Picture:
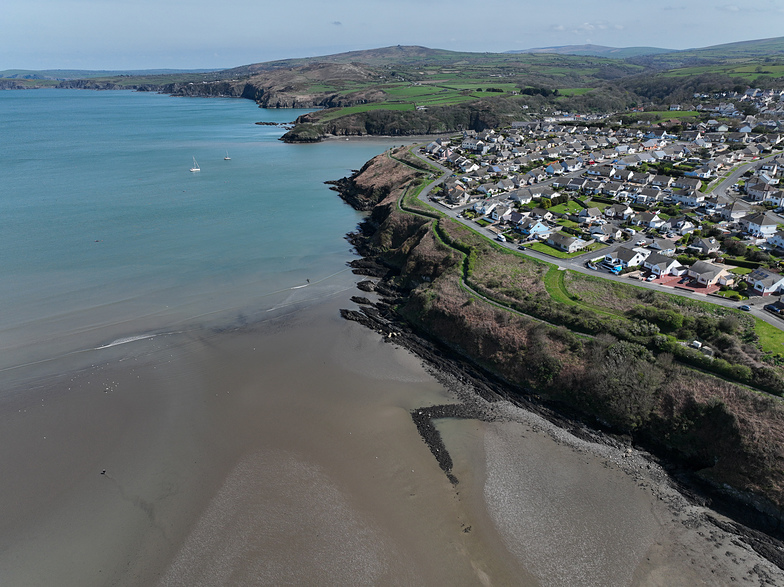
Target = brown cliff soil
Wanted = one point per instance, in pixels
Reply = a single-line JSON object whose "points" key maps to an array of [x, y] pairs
{"points": [[375, 181]]}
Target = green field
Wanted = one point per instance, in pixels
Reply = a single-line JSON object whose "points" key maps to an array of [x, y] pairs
{"points": [[748, 71], [334, 113], [674, 113], [771, 339], [574, 91]]}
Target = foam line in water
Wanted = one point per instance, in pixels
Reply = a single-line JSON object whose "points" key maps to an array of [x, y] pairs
{"points": [[125, 340]]}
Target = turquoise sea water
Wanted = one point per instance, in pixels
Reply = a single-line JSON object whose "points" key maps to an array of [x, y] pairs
{"points": [[106, 235]]}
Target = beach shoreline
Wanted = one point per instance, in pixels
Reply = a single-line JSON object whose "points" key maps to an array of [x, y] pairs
{"points": [[682, 521]]}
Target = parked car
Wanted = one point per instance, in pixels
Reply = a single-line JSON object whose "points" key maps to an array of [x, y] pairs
{"points": [[651, 277], [772, 308], [745, 308]]}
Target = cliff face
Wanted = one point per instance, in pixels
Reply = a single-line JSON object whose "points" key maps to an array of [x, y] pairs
{"points": [[290, 87], [724, 434], [478, 116]]}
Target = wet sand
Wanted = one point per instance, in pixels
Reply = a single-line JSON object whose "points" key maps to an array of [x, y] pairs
{"points": [[285, 454], [280, 454]]}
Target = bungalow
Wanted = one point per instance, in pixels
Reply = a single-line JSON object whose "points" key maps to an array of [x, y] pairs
{"points": [[588, 215], [687, 183], [604, 232], [593, 187], [542, 213], [659, 264], [648, 196], [576, 184], [641, 178], [501, 212], [708, 274], [536, 175], [680, 224], [703, 172], [554, 169], [534, 227], [627, 256], [467, 166], [663, 181], [521, 196], [648, 219], [517, 218], [456, 194], [485, 207], [566, 242], [612, 188], [765, 282], [662, 246], [622, 211], [505, 185], [717, 203], [735, 211], [622, 175], [705, 246], [777, 240], [690, 198], [489, 188]]}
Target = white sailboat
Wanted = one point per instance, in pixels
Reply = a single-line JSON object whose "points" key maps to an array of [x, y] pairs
{"points": [[227, 158], [195, 165]]}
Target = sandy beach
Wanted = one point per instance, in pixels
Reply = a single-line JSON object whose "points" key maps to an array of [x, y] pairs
{"points": [[284, 453]]}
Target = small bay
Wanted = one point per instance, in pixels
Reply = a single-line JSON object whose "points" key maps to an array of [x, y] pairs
{"points": [[106, 235]]}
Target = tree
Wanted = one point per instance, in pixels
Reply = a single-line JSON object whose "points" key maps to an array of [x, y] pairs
{"points": [[624, 382]]}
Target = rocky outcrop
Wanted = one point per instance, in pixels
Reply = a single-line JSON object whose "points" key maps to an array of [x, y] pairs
{"points": [[366, 188], [479, 115]]}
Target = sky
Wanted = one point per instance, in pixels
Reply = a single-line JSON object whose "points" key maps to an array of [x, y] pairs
{"points": [[217, 34]]}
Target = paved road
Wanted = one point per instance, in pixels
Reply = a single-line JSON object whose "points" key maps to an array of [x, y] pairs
{"points": [[578, 263]]}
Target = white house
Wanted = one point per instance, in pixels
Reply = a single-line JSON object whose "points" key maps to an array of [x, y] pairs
{"points": [[759, 225], [709, 274], [566, 242], [765, 282], [777, 240], [627, 256], [690, 198], [659, 265]]}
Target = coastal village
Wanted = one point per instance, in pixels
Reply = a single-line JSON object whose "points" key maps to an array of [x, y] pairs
{"points": [[695, 206]]}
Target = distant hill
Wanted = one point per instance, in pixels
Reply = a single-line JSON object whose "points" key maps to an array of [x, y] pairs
{"points": [[72, 74], [749, 51], [597, 51], [399, 55]]}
